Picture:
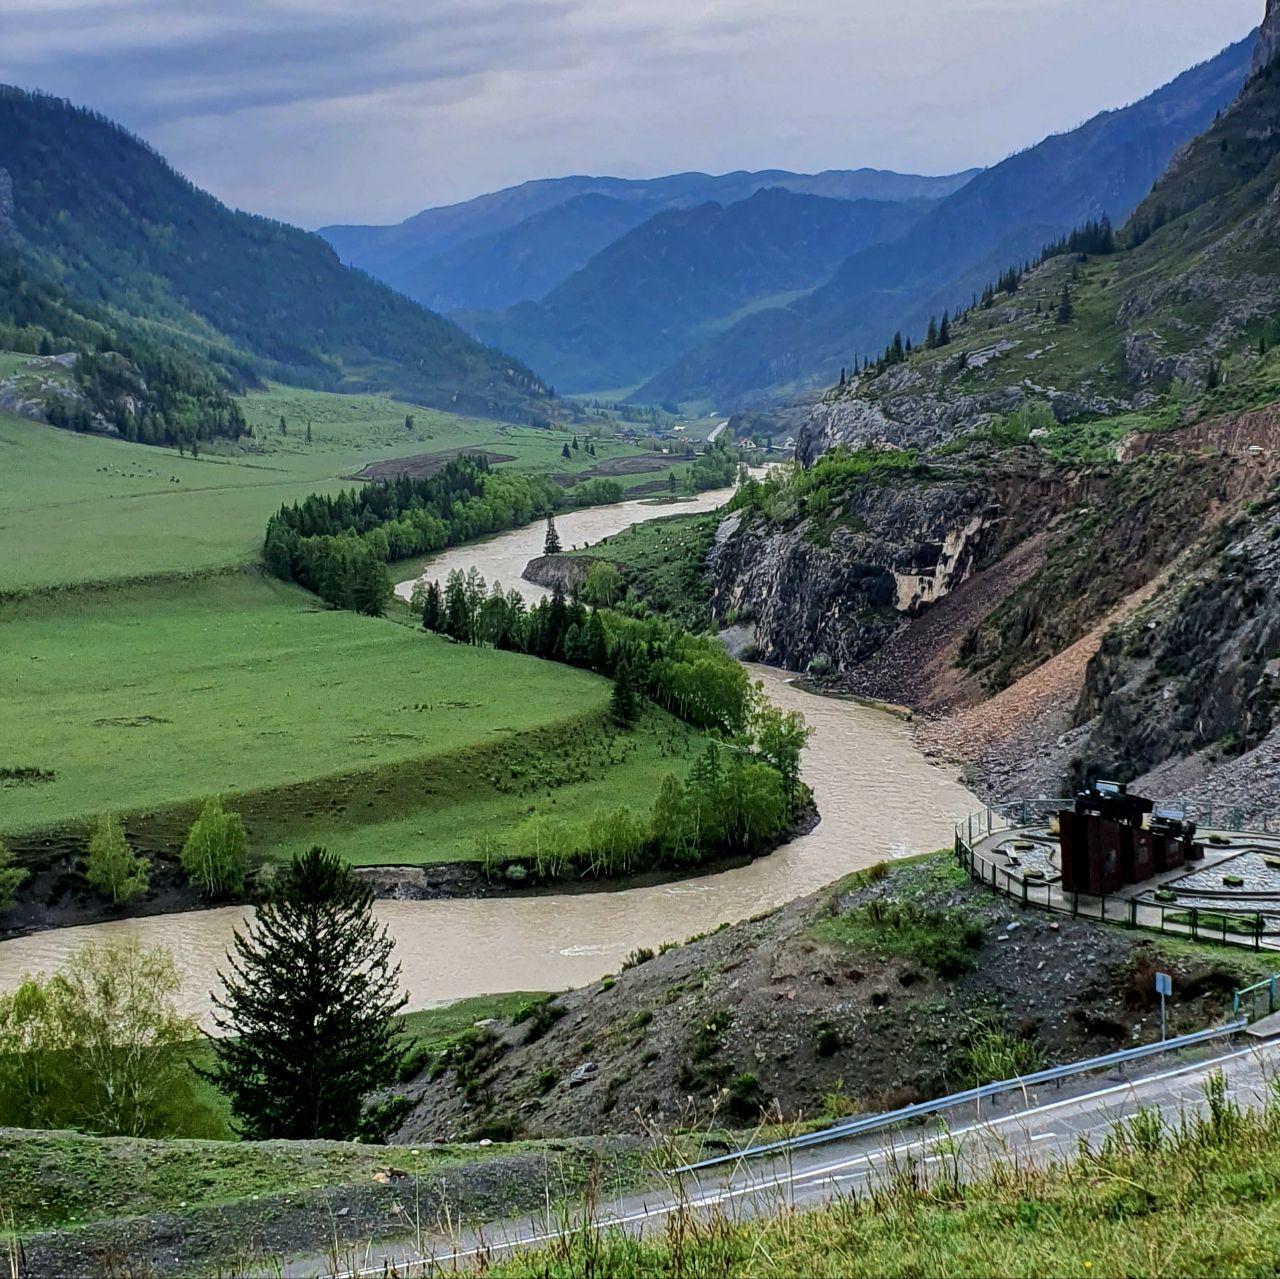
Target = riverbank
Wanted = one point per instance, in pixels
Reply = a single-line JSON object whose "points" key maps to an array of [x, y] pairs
{"points": [[171, 893]]}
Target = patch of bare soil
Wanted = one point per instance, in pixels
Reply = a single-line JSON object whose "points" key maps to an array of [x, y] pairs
{"points": [[779, 1009], [422, 466]]}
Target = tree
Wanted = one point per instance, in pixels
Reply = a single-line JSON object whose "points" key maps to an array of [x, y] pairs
{"points": [[576, 446], [566, 454], [457, 617], [309, 1021], [1066, 307], [604, 585], [11, 878], [432, 607], [216, 855], [408, 421], [780, 737], [552, 544], [944, 330], [100, 1046], [624, 706], [373, 586], [112, 868], [673, 484], [284, 426], [308, 432]]}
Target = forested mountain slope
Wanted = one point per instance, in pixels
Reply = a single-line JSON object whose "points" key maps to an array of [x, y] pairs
{"points": [[642, 300], [97, 210], [1005, 215]]}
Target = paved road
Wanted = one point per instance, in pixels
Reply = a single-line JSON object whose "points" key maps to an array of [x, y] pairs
{"points": [[1048, 1123]]}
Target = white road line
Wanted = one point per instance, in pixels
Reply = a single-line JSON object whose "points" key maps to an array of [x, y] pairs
{"points": [[729, 1193]]}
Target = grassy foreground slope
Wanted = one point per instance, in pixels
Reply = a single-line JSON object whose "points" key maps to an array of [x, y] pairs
{"points": [[1198, 1198], [319, 725]]}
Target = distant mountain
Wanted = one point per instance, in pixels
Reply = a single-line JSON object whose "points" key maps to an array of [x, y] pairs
{"points": [[640, 302], [524, 262], [434, 255], [1004, 216], [89, 205]]}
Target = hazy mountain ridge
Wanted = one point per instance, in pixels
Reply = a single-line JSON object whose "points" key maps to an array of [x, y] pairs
{"points": [[1006, 214], [426, 255], [642, 300], [105, 215]]}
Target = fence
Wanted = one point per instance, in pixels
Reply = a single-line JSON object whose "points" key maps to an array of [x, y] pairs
{"points": [[1257, 1001], [1220, 924], [866, 1124]]}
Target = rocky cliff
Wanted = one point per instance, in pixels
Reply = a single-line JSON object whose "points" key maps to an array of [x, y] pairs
{"points": [[1268, 38]]}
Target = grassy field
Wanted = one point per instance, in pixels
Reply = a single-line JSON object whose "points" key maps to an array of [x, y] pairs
{"points": [[387, 744], [79, 508]]}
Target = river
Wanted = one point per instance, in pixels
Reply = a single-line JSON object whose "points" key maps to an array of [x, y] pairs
{"points": [[878, 796]]}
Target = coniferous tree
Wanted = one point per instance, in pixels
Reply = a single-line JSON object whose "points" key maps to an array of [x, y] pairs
{"points": [[1066, 307], [309, 1021], [624, 705], [432, 607], [931, 337], [566, 454], [112, 868], [944, 329], [552, 544], [308, 432], [457, 617]]}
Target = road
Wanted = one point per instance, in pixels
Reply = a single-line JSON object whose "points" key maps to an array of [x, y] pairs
{"points": [[1036, 1128]]}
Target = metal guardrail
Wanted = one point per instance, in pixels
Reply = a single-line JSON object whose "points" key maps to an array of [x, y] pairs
{"points": [[1243, 1001], [874, 1123]]}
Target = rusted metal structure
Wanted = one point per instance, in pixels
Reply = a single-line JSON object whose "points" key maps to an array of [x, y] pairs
{"points": [[1112, 838]]}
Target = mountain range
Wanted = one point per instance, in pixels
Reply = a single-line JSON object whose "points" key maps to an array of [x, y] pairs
{"points": [[669, 289], [92, 210]]}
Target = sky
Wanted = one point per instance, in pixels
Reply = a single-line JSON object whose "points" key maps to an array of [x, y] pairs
{"points": [[321, 111]]}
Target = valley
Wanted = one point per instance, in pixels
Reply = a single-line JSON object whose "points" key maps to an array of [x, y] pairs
{"points": [[441, 799]]}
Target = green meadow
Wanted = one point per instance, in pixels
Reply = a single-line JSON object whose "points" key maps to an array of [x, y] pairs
{"points": [[82, 508], [385, 743]]}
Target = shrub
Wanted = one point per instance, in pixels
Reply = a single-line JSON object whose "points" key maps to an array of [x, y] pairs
{"points": [[827, 1040], [11, 878], [215, 855], [746, 1098], [112, 868]]}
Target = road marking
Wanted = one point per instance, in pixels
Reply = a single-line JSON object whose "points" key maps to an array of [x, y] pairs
{"points": [[730, 1192]]}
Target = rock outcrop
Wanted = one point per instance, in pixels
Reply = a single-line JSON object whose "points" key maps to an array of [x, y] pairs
{"points": [[1268, 38]]}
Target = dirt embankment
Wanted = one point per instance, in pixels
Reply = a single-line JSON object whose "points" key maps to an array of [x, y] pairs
{"points": [[421, 466], [866, 996]]}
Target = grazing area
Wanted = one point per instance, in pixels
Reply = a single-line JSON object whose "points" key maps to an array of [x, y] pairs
{"points": [[317, 725], [95, 509]]}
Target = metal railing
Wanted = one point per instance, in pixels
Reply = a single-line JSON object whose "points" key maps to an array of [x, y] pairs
{"points": [[1216, 923], [925, 1109], [1247, 1004]]}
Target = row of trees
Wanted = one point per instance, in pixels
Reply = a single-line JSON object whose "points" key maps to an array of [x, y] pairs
{"points": [[691, 676], [339, 546]]}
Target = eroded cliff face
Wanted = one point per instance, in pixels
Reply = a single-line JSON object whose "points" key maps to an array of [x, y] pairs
{"points": [[831, 588], [1268, 38]]}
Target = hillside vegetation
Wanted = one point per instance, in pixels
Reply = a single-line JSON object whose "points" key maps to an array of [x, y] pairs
{"points": [[240, 295]]}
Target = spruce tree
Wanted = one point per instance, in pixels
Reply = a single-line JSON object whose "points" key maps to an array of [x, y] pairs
{"points": [[112, 868], [564, 453], [552, 544], [309, 1023], [931, 338], [944, 330], [373, 587], [432, 608], [624, 706], [1066, 308]]}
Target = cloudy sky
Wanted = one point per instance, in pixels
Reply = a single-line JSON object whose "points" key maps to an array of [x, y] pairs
{"points": [[367, 110]]}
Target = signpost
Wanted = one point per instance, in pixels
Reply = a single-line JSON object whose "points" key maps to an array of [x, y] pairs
{"points": [[1164, 988]]}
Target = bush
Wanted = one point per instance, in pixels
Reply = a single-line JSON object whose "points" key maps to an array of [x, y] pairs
{"points": [[746, 1098], [215, 855], [11, 878], [112, 868]]}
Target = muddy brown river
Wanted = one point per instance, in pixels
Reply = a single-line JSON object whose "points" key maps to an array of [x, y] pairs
{"points": [[878, 796]]}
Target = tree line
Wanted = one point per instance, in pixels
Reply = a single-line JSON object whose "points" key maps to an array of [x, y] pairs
{"points": [[339, 546]]}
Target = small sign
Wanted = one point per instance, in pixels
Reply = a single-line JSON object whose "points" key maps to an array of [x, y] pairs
{"points": [[1164, 984]]}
